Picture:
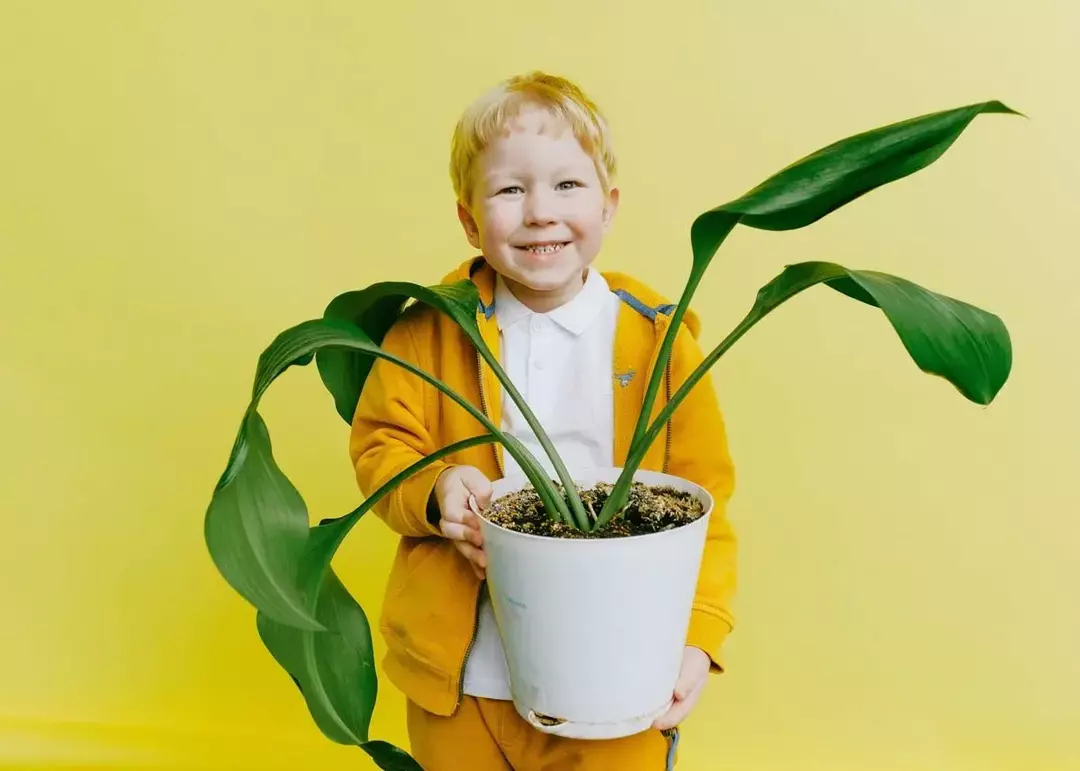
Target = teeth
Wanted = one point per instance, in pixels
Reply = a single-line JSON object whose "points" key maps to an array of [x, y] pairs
{"points": [[545, 249]]}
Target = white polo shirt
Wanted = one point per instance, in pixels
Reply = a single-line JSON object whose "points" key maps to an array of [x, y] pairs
{"points": [[561, 362]]}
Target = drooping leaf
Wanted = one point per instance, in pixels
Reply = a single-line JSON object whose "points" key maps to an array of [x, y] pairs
{"points": [[334, 669], [257, 523], [256, 527], [390, 758], [967, 346], [375, 309]]}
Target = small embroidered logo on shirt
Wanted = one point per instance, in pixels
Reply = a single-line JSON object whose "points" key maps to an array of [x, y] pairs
{"points": [[625, 377]]}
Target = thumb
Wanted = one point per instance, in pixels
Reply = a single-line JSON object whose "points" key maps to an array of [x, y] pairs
{"points": [[683, 686], [477, 484], [694, 668]]}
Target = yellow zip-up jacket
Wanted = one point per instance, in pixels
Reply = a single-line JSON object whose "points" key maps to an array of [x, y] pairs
{"points": [[430, 608]]}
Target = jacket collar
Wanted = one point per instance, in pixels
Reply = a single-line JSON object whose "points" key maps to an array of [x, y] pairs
{"points": [[637, 295]]}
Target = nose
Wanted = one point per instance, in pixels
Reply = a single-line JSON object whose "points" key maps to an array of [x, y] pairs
{"points": [[539, 208]]}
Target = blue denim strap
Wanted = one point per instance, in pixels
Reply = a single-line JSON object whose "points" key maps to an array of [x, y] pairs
{"points": [[672, 735]]}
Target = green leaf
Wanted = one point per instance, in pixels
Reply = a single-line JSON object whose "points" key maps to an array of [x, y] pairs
{"points": [[334, 669], [374, 310], [256, 527], [390, 758], [963, 344], [822, 182], [967, 346]]}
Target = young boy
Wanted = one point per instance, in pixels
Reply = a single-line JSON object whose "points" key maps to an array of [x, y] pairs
{"points": [[532, 168]]}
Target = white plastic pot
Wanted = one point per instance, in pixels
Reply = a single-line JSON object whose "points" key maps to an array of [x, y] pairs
{"points": [[594, 629]]}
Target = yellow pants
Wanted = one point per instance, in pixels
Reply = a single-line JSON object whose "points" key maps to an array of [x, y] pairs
{"points": [[489, 735]]}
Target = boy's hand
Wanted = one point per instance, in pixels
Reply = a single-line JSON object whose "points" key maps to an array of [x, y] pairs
{"points": [[692, 678], [458, 515]]}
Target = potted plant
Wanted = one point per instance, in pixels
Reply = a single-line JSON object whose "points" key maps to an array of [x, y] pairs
{"points": [[257, 525]]}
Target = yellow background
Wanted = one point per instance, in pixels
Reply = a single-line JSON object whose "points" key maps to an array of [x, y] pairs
{"points": [[181, 180]]}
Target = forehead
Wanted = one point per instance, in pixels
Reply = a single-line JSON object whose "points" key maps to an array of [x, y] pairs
{"points": [[535, 136]]}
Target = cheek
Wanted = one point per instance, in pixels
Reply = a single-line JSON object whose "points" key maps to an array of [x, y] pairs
{"points": [[586, 214], [498, 222], [587, 223]]}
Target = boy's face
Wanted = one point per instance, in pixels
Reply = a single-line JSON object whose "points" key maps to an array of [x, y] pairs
{"points": [[539, 212]]}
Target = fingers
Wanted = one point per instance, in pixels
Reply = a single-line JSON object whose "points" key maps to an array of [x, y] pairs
{"points": [[455, 489], [469, 541], [687, 684], [693, 674], [461, 491], [474, 554], [476, 557], [461, 531], [695, 668], [680, 709]]}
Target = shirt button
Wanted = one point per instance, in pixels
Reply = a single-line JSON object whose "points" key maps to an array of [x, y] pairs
{"points": [[538, 364], [537, 324]]}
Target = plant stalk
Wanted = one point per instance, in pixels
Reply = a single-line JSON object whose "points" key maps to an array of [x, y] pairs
{"points": [[579, 519], [620, 493]]}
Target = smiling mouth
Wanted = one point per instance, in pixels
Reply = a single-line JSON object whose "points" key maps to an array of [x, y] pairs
{"points": [[544, 248]]}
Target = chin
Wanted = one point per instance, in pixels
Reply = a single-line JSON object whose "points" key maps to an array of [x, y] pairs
{"points": [[547, 280]]}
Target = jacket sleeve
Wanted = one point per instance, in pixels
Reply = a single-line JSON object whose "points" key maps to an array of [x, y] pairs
{"points": [[389, 434], [699, 453]]}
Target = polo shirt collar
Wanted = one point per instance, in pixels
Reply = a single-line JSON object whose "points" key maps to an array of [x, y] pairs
{"points": [[574, 316]]}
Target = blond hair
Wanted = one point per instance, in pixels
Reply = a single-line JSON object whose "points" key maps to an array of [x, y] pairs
{"points": [[492, 112]]}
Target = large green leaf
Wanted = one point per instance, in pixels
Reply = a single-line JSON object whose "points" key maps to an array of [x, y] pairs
{"points": [[839, 173], [801, 194], [967, 346], [376, 308], [824, 181], [256, 527], [256, 524], [334, 669]]}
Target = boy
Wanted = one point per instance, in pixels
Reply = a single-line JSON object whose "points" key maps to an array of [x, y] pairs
{"points": [[532, 167]]}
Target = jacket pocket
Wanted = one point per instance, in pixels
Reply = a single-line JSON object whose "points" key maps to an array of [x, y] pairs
{"points": [[428, 607]]}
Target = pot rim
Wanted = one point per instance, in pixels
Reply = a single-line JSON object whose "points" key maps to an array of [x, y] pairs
{"points": [[616, 539], [704, 495]]}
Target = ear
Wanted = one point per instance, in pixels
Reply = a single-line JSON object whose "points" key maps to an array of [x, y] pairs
{"points": [[610, 207], [472, 232]]}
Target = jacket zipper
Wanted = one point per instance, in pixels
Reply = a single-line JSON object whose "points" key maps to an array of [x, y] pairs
{"points": [[469, 649]]}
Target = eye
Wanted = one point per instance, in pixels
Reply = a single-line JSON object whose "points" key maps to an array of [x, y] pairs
{"points": [[568, 184], [513, 189]]}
